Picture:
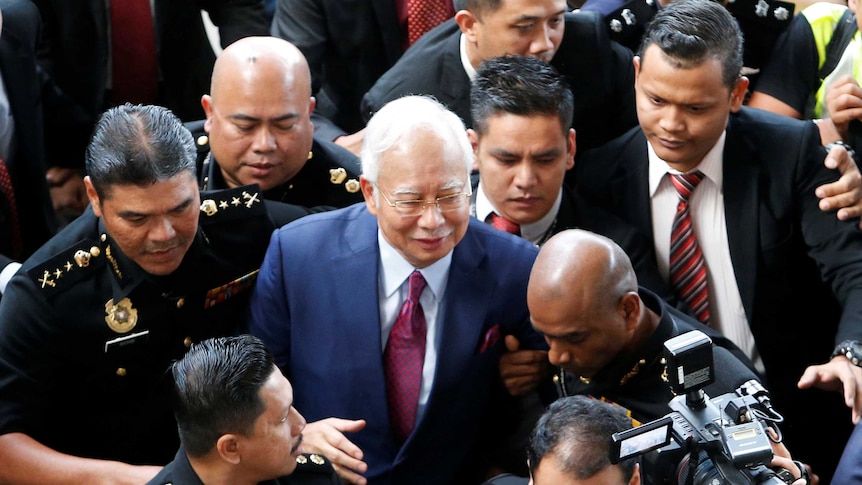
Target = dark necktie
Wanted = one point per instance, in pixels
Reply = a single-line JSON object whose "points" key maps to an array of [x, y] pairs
{"points": [[133, 52], [503, 224], [687, 266], [8, 192], [424, 15], [403, 359]]}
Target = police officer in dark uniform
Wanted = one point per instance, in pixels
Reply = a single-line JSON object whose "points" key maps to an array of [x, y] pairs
{"points": [[582, 284], [761, 21], [94, 318], [258, 129], [236, 420]]}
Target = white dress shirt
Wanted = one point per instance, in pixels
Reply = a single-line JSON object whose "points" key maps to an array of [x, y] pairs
{"points": [[392, 291], [706, 206]]}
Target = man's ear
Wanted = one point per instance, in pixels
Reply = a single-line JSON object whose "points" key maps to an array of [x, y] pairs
{"points": [[93, 196], [737, 95], [368, 193], [467, 22], [207, 104], [228, 447], [571, 149], [474, 142], [636, 476]]}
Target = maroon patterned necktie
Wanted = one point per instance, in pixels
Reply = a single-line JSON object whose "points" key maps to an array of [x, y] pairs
{"points": [[503, 224], [403, 359], [133, 52], [424, 15], [9, 192], [687, 266]]}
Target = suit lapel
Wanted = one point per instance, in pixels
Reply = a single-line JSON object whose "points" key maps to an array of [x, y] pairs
{"points": [[741, 196], [630, 192], [360, 301]]}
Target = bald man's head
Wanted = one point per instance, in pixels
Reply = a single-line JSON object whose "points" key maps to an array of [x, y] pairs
{"points": [[582, 296], [584, 262], [258, 112]]}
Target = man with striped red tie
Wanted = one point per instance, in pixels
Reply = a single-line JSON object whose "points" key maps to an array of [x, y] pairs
{"points": [[730, 197]]}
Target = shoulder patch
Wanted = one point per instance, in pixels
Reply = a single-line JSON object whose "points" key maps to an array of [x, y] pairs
{"points": [[68, 267], [231, 204]]}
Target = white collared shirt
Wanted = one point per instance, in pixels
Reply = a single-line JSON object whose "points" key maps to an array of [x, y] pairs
{"points": [[706, 206], [534, 232], [392, 288], [465, 60]]}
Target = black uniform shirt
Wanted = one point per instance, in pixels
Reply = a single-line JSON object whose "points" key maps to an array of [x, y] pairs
{"points": [[636, 383], [86, 336]]}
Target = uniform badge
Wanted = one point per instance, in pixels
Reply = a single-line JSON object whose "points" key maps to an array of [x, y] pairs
{"points": [[82, 258], [761, 9], [629, 17], [352, 186], [209, 207], [781, 14], [616, 25], [337, 175], [120, 317]]}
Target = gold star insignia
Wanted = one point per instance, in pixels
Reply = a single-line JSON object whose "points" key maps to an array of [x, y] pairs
{"points": [[46, 279], [235, 201], [223, 204]]}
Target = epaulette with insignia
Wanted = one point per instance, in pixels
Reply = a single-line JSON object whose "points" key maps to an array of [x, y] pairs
{"points": [[67, 267], [313, 463], [231, 204]]}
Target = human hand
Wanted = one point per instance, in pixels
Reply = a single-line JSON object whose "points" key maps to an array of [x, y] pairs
{"points": [[326, 437], [781, 459], [67, 189], [845, 194], [352, 142], [844, 102], [839, 374], [521, 370]]}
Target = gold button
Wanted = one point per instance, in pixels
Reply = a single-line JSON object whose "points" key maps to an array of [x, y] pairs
{"points": [[556, 378], [181, 302], [104, 237], [187, 342], [95, 251], [121, 371], [203, 140]]}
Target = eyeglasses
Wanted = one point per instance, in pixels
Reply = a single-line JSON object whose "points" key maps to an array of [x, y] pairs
{"points": [[415, 207]]}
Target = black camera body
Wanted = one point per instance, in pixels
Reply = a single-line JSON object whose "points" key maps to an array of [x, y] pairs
{"points": [[703, 441]]}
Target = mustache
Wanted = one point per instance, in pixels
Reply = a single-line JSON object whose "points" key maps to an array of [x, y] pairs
{"points": [[162, 246], [296, 445]]}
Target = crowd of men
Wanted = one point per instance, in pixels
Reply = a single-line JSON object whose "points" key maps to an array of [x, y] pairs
{"points": [[313, 259]]}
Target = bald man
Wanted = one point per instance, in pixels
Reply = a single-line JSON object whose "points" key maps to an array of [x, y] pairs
{"points": [[606, 333], [259, 129]]}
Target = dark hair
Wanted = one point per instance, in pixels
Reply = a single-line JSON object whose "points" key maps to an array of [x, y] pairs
{"points": [[577, 430], [138, 145], [217, 389], [519, 85], [690, 31], [478, 7]]}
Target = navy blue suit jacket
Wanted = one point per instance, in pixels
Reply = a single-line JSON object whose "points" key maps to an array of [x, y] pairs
{"points": [[316, 307]]}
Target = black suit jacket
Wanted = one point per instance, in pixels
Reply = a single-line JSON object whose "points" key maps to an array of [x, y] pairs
{"points": [[75, 47], [781, 245], [26, 87], [349, 44], [599, 71]]}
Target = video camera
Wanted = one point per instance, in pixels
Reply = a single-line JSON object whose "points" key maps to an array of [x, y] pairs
{"points": [[704, 441]]}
